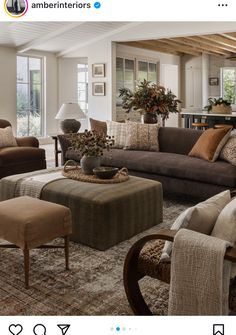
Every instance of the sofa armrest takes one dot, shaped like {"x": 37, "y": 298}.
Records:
{"x": 29, "y": 141}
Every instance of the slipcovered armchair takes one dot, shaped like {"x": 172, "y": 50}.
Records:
{"x": 25, "y": 156}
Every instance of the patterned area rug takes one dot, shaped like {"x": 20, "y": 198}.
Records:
{"x": 93, "y": 286}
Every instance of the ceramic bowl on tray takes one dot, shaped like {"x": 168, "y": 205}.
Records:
{"x": 105, "y": 172}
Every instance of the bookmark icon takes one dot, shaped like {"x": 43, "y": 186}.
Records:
{"x": 218, "y": 329}
{"x": 64, "y": 328}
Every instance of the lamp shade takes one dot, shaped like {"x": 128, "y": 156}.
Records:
{"x": 70, "y": 111}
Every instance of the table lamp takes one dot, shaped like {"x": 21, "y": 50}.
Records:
{"x": 69, "y": 113}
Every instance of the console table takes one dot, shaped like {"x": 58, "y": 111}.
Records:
{"x": 211, "y": 119}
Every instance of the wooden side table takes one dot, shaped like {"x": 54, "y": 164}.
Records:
{"x": 57, "y": 151}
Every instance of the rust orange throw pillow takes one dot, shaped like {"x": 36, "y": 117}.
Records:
{"x": 210, "y": 143}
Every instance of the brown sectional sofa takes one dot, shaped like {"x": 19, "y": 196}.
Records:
{"x": 172, "y": 166}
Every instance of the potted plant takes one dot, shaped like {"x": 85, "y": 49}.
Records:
{"x": 151, "y": 100}
{"x": 218, "y": 106}
{"x": 90, "y": 146}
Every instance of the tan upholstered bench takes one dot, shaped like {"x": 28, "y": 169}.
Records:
{"x": 29, "y": 223}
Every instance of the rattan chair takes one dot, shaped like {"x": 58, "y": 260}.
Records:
{"x": 143, "y": 259}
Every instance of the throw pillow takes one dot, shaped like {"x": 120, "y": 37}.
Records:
{"x": 228, "y": 153}
{"x": 7, "y": 138}
{"x": 200, "y": 218}
{"x": 225, "y": 227}
{"x": 99, "y": 127}
{"x": 210, "y": 143}
{"x": 117, "y": 130}
{"x": 142, "y": 137}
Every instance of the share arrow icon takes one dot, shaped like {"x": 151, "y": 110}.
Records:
{"x": 64, "y": 328}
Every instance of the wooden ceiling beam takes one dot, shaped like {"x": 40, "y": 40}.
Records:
{"x": 184, "y": 49}
{"x": 230, "y": 36}
{"x": 220, "y": 38}
{"x": 185, "y": 41}
{"x": 200, "y": 42}
{"x": 219, "y": 42}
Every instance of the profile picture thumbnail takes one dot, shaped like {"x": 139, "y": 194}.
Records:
{"x": 16, "y": 7}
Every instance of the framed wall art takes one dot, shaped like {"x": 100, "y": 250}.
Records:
{"x": 98, "y": 70}
{"x": 98, "y": 88}
{"x": 214, "y": 81}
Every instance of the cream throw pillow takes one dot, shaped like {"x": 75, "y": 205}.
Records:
{"x": 118, "y": 131}
{"x": 200, "y": 218}
{"x": 7, "y": 138}
{"x": 142, "y": 136}
{"x": 225, "y": 227}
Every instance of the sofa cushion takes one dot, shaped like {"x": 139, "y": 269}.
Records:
{"x": 177, "y": 140}
{"x": 7, "y": 138}
{"x": 16, "y": 155}
{"x": 228, "y": 153}
{"x": 98, "y": 126}
{"x": 142, "y": 136}
{"x": 173, "y": 165}
{"x": 210, "y": 143}
{"x": 117, "y": 130}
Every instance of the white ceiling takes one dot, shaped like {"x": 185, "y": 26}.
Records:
{"x": 69, "y": 38}
{"x": 53, "y": 36}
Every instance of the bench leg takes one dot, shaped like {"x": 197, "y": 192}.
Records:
{"x": 26, "y": 267}
{"x": 67, "y": 251}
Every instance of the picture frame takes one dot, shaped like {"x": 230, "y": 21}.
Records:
{"x": 98, "y": 70}
{"x": 99, "y": 89}
{"x": 213, "y": 81}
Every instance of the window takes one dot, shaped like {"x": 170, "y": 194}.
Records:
{"x": 228, "y": 83}
{"x": 128, "y": 71}
{"x": 82, "y": 84}
{"x": 29, "y": 96}
{"x": 125, "y": 75}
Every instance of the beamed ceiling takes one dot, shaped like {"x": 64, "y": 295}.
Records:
{"x": 213, "y": 44}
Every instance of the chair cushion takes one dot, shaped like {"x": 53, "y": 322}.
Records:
{"x": 200, "y": 218}
{"x": 16, "y": 155}
{"x": 173, "y": 165}
{"x": 225, "y": 226}
{"x": 31, "y": 222}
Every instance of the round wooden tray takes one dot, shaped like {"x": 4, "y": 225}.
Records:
{"x": 75, "y": 172}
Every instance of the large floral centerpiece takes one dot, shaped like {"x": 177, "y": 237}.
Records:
{"x": 150, "y": 98}
{"x": 90, "y": 146}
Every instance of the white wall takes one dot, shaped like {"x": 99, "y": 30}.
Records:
{"x": 8, "y": 85}
{"x": 67, "y": 83}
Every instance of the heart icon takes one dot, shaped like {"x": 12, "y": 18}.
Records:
{"x": 15, "y": 329}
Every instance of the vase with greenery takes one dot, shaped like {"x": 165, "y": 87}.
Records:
{"x": 218, "y": 106}
{"x": 150, "y": 98}
{"x": 90, "y": 146}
